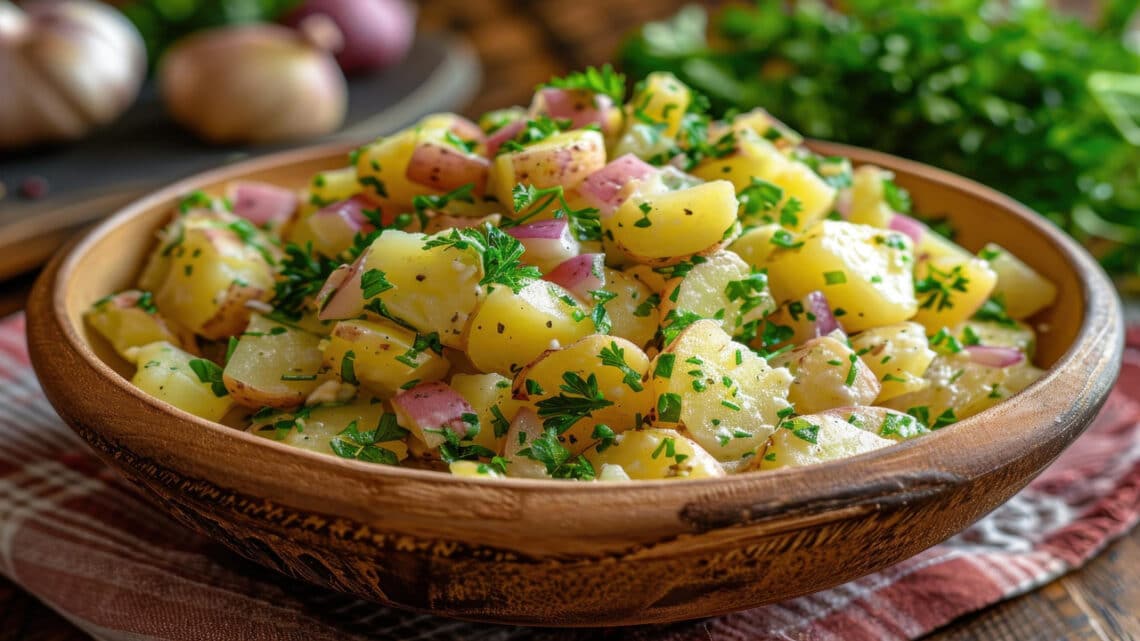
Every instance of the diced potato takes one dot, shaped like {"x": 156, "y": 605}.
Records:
{"x": 490, "y": 397}
{"x": 1023, "y": 290}
{"x": 720, "y": 286}
{"x": 129, "y": 320}
{"x": 525, "y": 428}
{"x": 756, "y": 157}
{"x": 273, "y": 365}
{"x": 755, "y": 245}
{"x": 213, "y": 274}
{"x": 811, "y": 439}
{"x": 170, "y": 239}
{"x": 949, "y": 291}
{"x": 381, "y": 356}
{"x": 865, "y": 272}
{"x": 434, "y": 290}
{"x": 652, "y": 454}
{"x": 381, "y": 170}
{"x": 662, "y": 98}
{"x": 826, "y": 374}
{"x": 868, "y": 206}
{"x": 898, "y": 355}
{"x": 668, "y": 228}
{"x": 168, "y": 374}
{"x": 618, "y": 367}
{"x": 474, "y": 470}
{"x": 562, "y": 159}
{"x": 1017, "y": 335}
{"x": 763, "y": 124}
{"x": 634, "y": 312}
{"x": 960, "y": 388}
{"x": 315, "y": 429}
{"x": 648, "y": 276}
{"x": 510, "y": 330}
{"x": 717, "y": 391}
{"x": 881, "y": 421}
{"x": 330, "y": 186}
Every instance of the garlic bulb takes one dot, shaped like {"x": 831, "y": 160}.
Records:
{"x": 66, "y": 66}
{"x": 256, "y": 83}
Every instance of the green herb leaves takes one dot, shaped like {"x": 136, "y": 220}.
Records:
{"x": 362, "y": 446}
{"x": 499, "y": 252}
{"x": 603, "y": 81}
{"x": 209, "y": 372}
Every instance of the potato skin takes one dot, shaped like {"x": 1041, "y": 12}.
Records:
{"x": 273, "y": 365}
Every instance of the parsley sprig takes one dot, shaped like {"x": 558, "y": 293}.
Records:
{"x": 499, "y": 251}
{"x": 603, "y": 81}
{"x": 577, "y": 399}
{"x": 584, "y": 222}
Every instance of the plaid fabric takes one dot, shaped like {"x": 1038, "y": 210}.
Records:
{"x": 78, "y": 537}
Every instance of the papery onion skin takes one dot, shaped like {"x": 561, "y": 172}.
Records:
{"x": 66, "y": 67}
{"x": 252, "y": 84}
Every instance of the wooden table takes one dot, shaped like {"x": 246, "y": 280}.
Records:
{"x": 522, "y": 43}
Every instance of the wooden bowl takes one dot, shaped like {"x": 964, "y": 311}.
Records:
{"x": 563, "y": 553}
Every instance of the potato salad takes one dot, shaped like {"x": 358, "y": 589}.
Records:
{"x": 604, "y": 285}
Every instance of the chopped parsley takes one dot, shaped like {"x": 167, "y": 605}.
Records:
{"x": 209, "y": 372}
{"x": 614, "y": 356}
{"x": 578, "y": 398}
{"x": 499, "y": 252}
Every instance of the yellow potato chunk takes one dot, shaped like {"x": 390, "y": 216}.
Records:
{"x": 811, "y": 439}
{"x": 381, "y": 356}
{"x": 665, "y": 229}
{"x": 827, "y": 373}
{"x": 350, "y": 430}
{"x": 474, "y": 470}
{"x": 510, "y": 330}
{"x": 868, "y": 206}
{"x": 758, "y": 158}
{"x": 433, "y": 290}
{"x": 128, "y": 320}
{"x": 634, "y": 312}
{"x": 333, "y": 185}
{"x": 661, "y": 98}
{"x": 722, "y": 287}
{"x": 612, "y": 368}
{"x": 755, "y": 245}
{"x": 563, "y": 159}
{"x": 652, "y": 454}
{"x": 960, "y": 388}
{"x": 490, "y": 397}
{"x": 865, "y": 272}
{"x": 716, "y": 391}
{"x": 177, "y": 377}
{"x": 381, "y": 170}
{"x": 949, "y": 291}
{"x": 213, "y": 274}
{"x": 881, "y": 421}
{"x": 273, "y": 365}
{"x": 1020, "y": 287}
{"x": 897, "y": 354}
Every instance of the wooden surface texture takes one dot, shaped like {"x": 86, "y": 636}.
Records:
{"x": 522, "y": 43}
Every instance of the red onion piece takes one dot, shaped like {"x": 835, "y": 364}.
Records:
{"x": 347, "y": 299}
{"x": 502, "y": 135}
{"x": 263, "y": 204}
{"x": 909, "y": 226}
{"x": 995, "y": 356}
{"x": 604, "y": 188}
{"x": 580, "y": 107}
{"x": 825, "y": 321}
{"x": 443, "y": 167}
{"x": 580, "y": 275}
{"x": 432, "y": 406}
{"x": 547, "y": 242}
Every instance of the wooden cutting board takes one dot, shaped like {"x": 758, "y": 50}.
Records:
{"x": 144, "y": 149}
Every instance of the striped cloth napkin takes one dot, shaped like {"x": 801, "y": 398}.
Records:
{"x": 78, "y": 537}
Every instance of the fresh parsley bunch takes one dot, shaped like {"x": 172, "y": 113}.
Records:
{"x": 1013, "y": 94}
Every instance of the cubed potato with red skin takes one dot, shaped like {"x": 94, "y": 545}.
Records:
{"x": 563, "y": 159}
